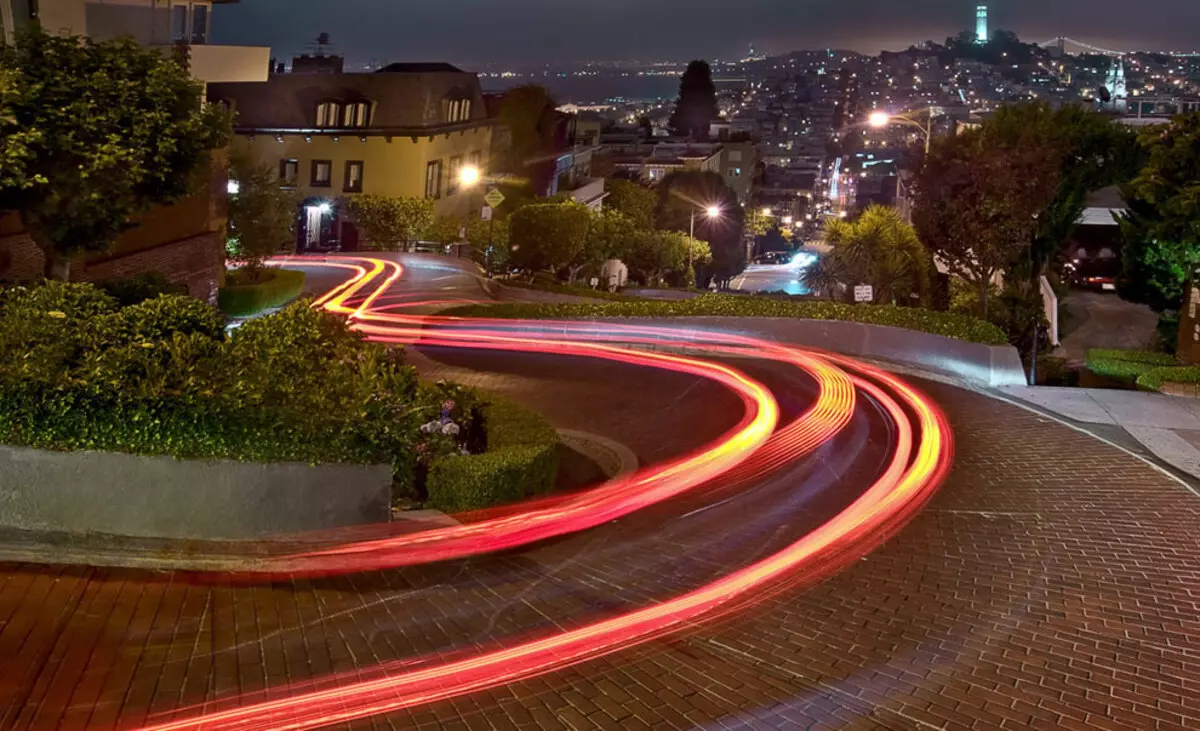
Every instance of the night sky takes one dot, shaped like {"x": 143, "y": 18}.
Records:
{"x": 481, "y": 31}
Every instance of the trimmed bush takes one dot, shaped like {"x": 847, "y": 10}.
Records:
{"x": 521, "y": 461}
{"x": 961, "y": 327}
{"x": 241, "y": 298}
{"x": 571, "y": 289}
{"x": 162, "y": 378}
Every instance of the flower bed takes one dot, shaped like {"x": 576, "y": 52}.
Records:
{"x": 961, "y": 327}
{"x": 521, "y": 461}
{"x": 241, "y": 297}
{"x": 1145, "y": 369}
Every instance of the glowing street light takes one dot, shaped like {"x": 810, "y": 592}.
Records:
{"x": 469, "y": 176}
{"x": 881, "y": 119}
{"x": 713, "y": 213}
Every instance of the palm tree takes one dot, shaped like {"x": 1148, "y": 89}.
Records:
{"x": 822, "y": 278}
{"x": 881, "y": 249}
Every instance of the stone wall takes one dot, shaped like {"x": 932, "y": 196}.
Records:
{"x": 162, "y": 497}
{"x": 197, "y": 262}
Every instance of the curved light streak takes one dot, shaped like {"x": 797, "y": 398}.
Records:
{"x": 921, "y": 456}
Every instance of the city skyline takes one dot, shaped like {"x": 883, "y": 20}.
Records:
{"x": 464, "y": 31}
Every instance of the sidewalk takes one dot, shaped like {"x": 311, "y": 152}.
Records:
{"x": 1168, "y": 427}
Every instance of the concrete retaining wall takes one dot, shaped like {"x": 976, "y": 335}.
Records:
{"x": 162, "y": 497}
{"x": 980, "y": 365}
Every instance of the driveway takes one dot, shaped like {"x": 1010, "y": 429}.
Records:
{"x": 1105, "y": 321}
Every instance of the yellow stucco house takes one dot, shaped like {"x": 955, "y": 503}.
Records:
{"x": 408, "y": 129}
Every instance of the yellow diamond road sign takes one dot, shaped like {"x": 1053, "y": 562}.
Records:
{"x": 494, "y": 198}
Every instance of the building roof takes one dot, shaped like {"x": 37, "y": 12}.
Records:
{"x": 401, "y": 100}
{"x": 420, "y": 67}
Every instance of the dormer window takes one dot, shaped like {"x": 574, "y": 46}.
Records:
{"x": 458, "y": 110}
{"x": 356, "y": 114}
{"x": 328, "y": 114}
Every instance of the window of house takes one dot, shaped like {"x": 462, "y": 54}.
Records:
{"x": 355, "y": 115}
{"x": 289, "y": 172}
{"x": 322, "y": 173}
{"x": 199, "y": 24}
{"x": 354, "y": 177}
{"x": 179, "y": 19}
{"x": 458, "y": 110}
{"x": 452, "y": 183}
{"x": 433, "y": 179}
{"x": 329, "y": 114}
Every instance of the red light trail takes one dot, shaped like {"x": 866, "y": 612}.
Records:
{"x": 921, "y": 454}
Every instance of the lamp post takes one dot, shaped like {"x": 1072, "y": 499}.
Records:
{"x": 713, "y": 212}
{"x": 881, "y": 119}
{"x": 468, "y": 177}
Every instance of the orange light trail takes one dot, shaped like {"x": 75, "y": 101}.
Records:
{"x": 921, "y": 455}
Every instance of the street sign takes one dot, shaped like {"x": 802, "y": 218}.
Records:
{"x": 595, "y": 281}
{"x": 485, "y": 213}
{"x": 494, "y": 198}
{"x": 864, "y": 293}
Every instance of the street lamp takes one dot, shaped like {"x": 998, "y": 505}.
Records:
{"x": 469, "y": 176}
{"x": 713, "y": 213}
{"x": 881, "y": 119}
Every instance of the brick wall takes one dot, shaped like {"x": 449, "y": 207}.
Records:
{"x": 198, "y": 262}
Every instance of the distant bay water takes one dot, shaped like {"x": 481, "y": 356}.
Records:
{"x": 592, "y": 89}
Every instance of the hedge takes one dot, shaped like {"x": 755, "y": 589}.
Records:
{"x": 961, "y": 327}
{"x": 571, "y": 289}
{"x": 242, "y": 298}
{"x": 162, "y": 377}
{"x": 521, "y": 461}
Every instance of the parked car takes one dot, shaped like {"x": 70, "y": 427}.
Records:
{"x": 1095, "y": 274}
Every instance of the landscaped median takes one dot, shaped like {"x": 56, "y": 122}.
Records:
{"x": 88, "y": 384}
{"x": 960, "y": 327}
{"x": 1149, "y": 371}
{"x": 243, "y": 296}
{"x": 521, "y": 461}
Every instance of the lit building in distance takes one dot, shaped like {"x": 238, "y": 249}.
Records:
{"x": 981, "y": 29}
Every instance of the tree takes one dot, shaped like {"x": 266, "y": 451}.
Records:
{"x": 527, "y": 113}
{"x": 608, "y": 237}
{"x": 975, "y": 203}
{"x": 1161, "y": 226}
{"x": 389, "y": 222}
{"x": 881, "y": 249}
{"x": 548, "y": 235}
{"x": 689, "y": 192}
{"x": 634, "y": 200}
{"x": 759, "y": 223}
{"x": 262, "y": 215}
{"x": 696, "y": 107}
{"x": 653, "y": 253}
{"x": 1090, "y": 151}
{"x": 491, "y": 239}
{"x": 773, "y": 240}
{"x": 106, "y": 130}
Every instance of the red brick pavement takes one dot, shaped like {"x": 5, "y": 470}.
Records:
{"x": 1052, "y": 583}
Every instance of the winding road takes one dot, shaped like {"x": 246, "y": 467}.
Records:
{"x": 793, "y": 553}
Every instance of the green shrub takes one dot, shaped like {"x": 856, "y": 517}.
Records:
{"x": 521, "y": 461}
{"x": 241, "y": 297}
{"x": 962, "y": 327}
{"x": 572, "y": 289}
{"x": 161, "y": 378}
{"x": 1125, "y": 364}
{"x": 132, "y": 290}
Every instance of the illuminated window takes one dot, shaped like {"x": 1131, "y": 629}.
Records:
{"x": 433, "y": 179}
{"x": 322, "y": 173}
{"x": 354, "y": 177}
{"x": 355, "y": 115}
{"x": 328, "y": 114}
{"x": 289, "y": 172}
